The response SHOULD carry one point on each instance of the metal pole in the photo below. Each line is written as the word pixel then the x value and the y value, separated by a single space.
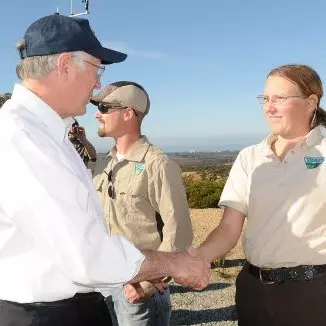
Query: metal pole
pixel 86 12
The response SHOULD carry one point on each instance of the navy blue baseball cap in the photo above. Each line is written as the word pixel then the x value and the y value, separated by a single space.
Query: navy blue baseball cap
pixel 57 34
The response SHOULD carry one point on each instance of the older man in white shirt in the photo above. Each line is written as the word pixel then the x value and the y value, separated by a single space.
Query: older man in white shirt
pixel 54 248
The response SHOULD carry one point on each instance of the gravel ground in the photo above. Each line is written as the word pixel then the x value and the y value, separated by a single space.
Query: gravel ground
pixel 215 304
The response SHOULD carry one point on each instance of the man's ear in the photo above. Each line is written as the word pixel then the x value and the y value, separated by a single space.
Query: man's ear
pixel 129 113
pixel 64 65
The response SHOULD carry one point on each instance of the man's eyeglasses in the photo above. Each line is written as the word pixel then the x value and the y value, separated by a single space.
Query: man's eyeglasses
pixel 110 187
pixel 100 69
pixel 276 99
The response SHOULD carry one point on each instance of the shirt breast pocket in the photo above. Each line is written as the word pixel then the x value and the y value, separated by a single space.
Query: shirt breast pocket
pixel 138 186
pixel 132 199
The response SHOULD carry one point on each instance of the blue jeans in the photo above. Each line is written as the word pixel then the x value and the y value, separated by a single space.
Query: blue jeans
pixel 155 311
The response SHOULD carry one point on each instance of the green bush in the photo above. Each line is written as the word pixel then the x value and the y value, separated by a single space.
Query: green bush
pixel 203 193
pixel 209 171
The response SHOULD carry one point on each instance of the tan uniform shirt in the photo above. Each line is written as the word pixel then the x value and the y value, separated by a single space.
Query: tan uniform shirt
pixel 146 184
pixel 285 202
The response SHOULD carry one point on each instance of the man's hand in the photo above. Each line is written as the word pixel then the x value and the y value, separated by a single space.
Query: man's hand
pixel 140 292
pixel 79 133
pixel 190 270
pixel 134 293
pixel 159 284
pixel 187 268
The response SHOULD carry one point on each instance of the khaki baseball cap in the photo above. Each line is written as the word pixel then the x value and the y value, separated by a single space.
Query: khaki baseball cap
pixel 123 94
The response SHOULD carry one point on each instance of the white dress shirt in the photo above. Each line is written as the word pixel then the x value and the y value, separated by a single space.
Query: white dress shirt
pixel 53 240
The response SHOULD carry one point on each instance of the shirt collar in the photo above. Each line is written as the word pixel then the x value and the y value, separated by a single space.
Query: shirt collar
pixel 311 139
pixel 57 126
pixel 315 136
pixel 137 152
pixel 266 144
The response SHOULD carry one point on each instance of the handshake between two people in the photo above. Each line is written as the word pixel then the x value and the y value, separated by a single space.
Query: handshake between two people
pixel 188 269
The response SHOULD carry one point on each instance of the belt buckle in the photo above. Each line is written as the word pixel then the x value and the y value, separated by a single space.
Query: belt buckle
pixel 261 276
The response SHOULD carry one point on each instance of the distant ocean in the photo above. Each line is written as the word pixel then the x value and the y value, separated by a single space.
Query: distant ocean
pixel 179 145
pixel 206 144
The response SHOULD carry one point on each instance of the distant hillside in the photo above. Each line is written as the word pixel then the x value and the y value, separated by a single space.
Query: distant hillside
pixel 204 158
pixel 187 159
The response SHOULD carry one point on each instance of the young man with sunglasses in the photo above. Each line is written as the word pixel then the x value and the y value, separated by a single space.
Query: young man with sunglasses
pixel 144 199
pixel 54 248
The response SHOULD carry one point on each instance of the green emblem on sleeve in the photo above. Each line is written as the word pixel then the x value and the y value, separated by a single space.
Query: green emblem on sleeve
pixel 313 162
pixel 139 168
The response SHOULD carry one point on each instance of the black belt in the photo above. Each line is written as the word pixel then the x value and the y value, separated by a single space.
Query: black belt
pixel 78 298
pixel 283 274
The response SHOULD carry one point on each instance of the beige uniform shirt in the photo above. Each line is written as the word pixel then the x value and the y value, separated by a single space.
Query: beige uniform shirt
pixel 146 184
pixel 284 201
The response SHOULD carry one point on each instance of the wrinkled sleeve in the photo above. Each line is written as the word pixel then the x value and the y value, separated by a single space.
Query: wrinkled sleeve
pixel 235 194
pixel 50 206
pixel 168 195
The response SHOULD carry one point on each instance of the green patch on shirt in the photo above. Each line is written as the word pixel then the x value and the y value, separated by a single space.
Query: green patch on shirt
pixel 313 162
pixel 139 168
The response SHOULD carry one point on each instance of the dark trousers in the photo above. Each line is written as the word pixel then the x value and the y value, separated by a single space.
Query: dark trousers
pixel 293 303
pixel 81 310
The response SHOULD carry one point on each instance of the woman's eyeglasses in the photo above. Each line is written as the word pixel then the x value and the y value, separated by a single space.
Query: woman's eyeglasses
pixel 276 99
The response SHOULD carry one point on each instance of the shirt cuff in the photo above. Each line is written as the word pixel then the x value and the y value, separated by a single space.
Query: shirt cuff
pixel 236 205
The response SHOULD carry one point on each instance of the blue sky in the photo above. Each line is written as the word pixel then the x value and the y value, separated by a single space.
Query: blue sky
pixel 202 62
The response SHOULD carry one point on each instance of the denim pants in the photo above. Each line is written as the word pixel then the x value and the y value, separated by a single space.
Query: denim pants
pixel 155 311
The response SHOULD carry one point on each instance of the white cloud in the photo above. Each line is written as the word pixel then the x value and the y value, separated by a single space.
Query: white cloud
pixel 123 47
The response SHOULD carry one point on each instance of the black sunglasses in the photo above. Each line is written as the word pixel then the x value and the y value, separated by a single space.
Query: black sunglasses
pixel 110 187
pixel 104 108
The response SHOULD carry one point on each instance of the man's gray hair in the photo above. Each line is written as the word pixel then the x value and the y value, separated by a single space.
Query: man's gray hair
pixel 39 66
